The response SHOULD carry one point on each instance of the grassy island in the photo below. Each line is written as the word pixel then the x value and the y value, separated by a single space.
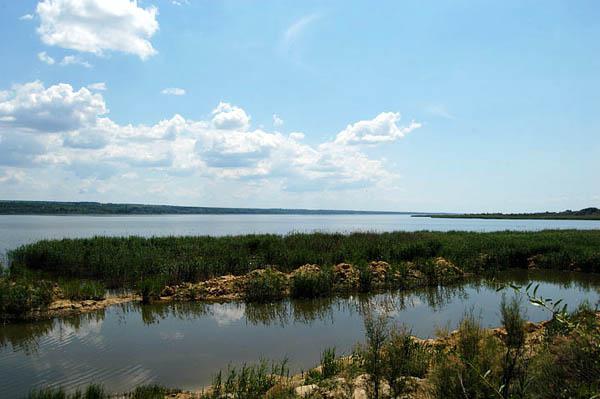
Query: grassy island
pixel 73 273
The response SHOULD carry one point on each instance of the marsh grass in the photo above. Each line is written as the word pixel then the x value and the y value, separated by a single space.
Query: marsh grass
pixel 123 261
pixel 82 289
pixel 91 392
pixel 265 286
pixel 249 382
pixel 311 285
pixel 19 296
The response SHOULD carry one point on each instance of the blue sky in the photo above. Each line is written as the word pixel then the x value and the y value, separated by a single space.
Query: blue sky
pixel 429 106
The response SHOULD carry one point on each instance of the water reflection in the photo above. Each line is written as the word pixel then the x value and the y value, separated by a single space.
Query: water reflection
pixel 181 344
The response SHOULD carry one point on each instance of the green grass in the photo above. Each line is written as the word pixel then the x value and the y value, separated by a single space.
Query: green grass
pixel 124 261
pixel 78 290
pixel 21 295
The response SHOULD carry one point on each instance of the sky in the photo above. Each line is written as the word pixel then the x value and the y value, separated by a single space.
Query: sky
pixel 450 106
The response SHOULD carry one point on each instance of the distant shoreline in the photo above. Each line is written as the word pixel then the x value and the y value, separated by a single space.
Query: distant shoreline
pixel 583 214
pixel 103 209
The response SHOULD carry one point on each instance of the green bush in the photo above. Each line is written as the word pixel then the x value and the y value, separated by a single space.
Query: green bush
pixel 403 357
pixel 471 370
pixel 329 364
pixel 265 285
pixel 311 284
pixel 17 297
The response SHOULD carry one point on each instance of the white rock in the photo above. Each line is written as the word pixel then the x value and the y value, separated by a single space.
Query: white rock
pixel 359 393
pixel 304 390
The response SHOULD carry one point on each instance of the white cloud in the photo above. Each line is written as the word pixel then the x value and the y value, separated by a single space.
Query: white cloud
pixel 69 132
pixel 277 121
pixel 227 116
pixel 42 56
pixel 98 26
pixel 383 128
pixel 26 17
pixel 101 86
pixel 173 91
pixel 56 108
pixel 74 60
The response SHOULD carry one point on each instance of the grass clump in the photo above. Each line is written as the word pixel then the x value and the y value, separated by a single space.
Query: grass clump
pixel 403 357
pixel 311 283
pixel 248 382
pixel 78 290
pixel 91 392
pixel 265 285
pixel 471 368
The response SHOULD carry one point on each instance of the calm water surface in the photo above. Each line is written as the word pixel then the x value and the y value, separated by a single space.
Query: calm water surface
pixel 16 230
pixel 182 345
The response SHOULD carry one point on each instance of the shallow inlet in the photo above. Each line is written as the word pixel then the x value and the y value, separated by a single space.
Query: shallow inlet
pixel 183 344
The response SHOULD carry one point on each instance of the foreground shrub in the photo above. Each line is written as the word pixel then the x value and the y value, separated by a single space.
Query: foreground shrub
pixel 403 357
pixel 568 363
pixel 329 364
pixel 471 368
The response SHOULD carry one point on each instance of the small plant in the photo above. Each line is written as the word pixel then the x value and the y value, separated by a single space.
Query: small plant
pixel 248 382
pixel 329 364
pixel 403 357
pixel 513 368
pixel 376 334
pixel 150 288
pixel 149 392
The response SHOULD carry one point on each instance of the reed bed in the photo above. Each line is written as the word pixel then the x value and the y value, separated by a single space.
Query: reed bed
pixel 125 261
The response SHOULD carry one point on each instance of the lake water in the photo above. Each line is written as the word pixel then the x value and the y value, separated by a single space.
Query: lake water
pixel 16 230
pixel 182 345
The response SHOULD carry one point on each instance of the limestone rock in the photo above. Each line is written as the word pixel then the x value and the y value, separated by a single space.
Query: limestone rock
pixel 304 390
pixel 346 275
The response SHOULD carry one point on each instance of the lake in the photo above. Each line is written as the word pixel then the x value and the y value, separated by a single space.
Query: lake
pixel 16 230
pixel 182 344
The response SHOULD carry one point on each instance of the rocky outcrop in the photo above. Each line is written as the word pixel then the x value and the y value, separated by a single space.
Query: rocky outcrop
pixel 346 276
pixel 379 271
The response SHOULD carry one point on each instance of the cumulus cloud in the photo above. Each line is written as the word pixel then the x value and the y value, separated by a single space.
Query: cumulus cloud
pixel 26 17
pixel 61 128
pixel 53 109
pixel 98 26
pixel 383 128
pixel 230 117
pixel 173 91
pixel 44 57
